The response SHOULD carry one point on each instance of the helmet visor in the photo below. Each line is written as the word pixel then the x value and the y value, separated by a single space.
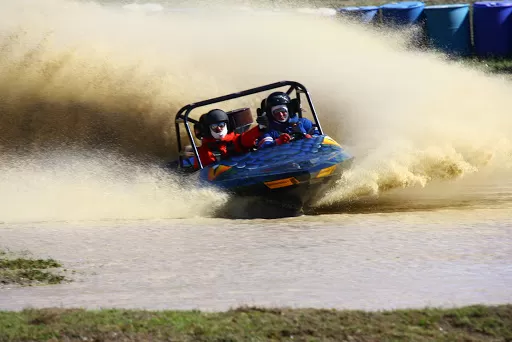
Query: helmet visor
pixel 218 126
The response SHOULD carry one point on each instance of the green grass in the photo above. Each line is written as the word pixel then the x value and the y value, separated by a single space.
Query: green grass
pixel 27 271
pixel 496 65
pixel 471 323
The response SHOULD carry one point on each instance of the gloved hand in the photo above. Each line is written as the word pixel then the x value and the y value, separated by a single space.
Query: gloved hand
pixel 188 151
pixel 307 136
pixel 262 121
pixel 283 139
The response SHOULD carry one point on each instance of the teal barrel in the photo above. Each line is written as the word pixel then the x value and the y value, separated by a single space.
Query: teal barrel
pixel 448 28
pixel 365 14
pixel 492 28
pixel 402 13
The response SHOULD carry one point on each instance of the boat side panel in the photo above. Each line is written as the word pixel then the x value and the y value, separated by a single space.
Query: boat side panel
pixel 304 159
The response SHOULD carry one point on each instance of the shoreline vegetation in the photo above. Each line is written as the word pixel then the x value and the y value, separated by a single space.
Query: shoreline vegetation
pixel 26 271
pixel 470 323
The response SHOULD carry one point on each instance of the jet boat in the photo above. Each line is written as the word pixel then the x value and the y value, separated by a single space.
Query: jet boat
pixel 291 176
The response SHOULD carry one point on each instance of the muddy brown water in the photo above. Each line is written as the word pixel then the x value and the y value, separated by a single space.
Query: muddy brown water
pixel 373 261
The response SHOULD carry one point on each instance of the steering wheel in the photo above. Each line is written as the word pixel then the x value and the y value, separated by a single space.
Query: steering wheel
pixel 296 136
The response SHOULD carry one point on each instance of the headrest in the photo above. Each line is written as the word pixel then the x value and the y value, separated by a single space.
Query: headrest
pixel 201 129
pixel 240 119
pixel 198 132
pixel 294 108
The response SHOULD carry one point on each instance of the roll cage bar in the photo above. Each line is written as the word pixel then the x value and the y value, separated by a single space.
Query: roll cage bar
pixel 183 113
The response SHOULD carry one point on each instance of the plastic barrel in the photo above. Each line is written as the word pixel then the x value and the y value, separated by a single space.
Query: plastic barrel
pixel 448 28
pixel 491 28
pixel 402 13
pixel 365 14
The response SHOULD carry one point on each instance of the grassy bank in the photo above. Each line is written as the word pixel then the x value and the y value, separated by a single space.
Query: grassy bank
pixel 471 323
pixel 28 271
pixel 494 65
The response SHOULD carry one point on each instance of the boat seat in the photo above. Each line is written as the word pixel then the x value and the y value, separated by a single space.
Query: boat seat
pixel 240 119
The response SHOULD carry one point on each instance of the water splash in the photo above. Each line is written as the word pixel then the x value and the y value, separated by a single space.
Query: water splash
pixel 88 76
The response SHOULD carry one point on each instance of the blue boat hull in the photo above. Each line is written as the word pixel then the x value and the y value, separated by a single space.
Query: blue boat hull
pixel 292 175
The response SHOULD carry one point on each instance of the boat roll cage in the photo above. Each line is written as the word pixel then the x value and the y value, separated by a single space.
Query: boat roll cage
pixel 183 113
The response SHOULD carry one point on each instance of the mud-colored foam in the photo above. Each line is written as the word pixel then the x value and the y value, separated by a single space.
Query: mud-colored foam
pixel 107 80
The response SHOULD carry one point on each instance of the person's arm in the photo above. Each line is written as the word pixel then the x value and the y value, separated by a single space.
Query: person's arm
pixel 248 139
pixel 309 128
pixel 274 138
pixel 205 155
pixel 266 140
pixel 271 138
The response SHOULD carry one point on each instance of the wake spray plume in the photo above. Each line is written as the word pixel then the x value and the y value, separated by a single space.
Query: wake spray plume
pixel 95 77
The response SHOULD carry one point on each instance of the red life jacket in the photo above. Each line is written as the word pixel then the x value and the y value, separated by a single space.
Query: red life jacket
pixel 232 144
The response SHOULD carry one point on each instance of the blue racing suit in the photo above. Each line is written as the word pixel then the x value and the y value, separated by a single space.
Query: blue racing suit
pixel 299 125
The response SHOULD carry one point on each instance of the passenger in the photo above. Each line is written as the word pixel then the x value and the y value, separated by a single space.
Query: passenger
pixel 220 142
pixel 284 122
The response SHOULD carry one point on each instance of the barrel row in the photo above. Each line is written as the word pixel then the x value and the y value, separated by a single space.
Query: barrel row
pixel 483 28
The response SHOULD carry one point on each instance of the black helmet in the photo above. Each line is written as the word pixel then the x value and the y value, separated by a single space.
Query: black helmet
pixel 277 98
pixel 215 116
pixel 212 117
pixel 280 98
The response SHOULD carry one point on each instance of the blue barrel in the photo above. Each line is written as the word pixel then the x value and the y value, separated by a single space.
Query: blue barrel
pixel 491 28
pixel 365 14
pixel 448 28
pixel 402 13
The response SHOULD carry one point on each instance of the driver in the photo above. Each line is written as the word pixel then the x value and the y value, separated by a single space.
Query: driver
pixel 284 122
pixel 219 141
